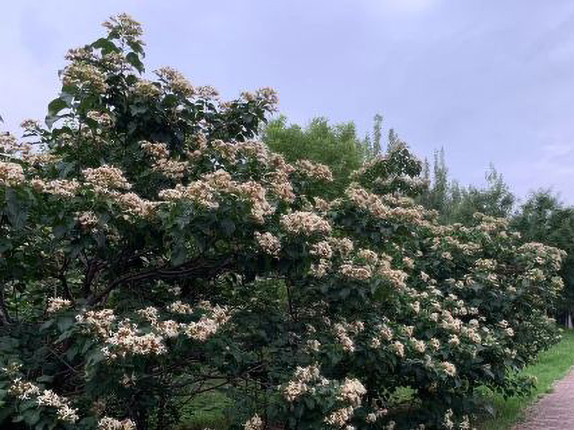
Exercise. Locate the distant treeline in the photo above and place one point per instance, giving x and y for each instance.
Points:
(542, 217)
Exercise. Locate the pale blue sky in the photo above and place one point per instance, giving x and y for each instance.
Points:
(489, 80)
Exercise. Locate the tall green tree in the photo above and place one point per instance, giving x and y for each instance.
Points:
(495, 199)
(438, 195)
(393, 139)
(377, 130)
(456, 203)
(336, 146)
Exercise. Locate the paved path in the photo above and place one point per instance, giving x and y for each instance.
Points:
(554, 411)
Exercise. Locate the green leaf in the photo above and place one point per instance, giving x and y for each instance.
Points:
(135, 61)
(56, 105)
(60, 231)
(46, 325)
(16, 211)
(65, 323)
(105, 45)
(45, 378)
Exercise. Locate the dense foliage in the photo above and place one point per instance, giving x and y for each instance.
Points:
(151, 252)
(544, 218)
(335, 146)
(541, 218)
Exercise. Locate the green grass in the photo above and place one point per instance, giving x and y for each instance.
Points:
(551, 366)
(206, 411)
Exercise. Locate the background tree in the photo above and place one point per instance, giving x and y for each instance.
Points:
(335, 146)
(495, 199)
(377, 132)
(456, 203)
(438, 196)
(544, 218)
(393, 138)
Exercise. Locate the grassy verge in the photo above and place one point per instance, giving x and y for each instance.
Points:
(551, 365)
(207, 411)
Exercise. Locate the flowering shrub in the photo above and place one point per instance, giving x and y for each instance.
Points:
(151, 251)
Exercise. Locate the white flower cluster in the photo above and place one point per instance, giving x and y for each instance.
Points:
(101, 118)
(314, 170)
(378, 209)
(542, 254)
(342, 334)
(56, 304)
(255, 194)
(87, 220)
(125, 26)
(57, 187)
(371, 264)
(108, 423)
(40, 159)
(448, 368)
(385, 333)
(267, 95)
(303, 381)
(241, 152)
(351, 391)
(179, 307)
(398, 348)
(146, 89)
(127, 340)
(175, 81)
(98, 322)
(206, 92)
(356, 272)
(156, 150)
(85, 75)
(447, 419)
(372, 417)
(269, 243)
(133, 206)
(401, 181)
(205, 192)
(279, 185)
(170, 168)
(489, 224)
(11, 174)
(418, 345)
(207, 324)
(322, 250)
(340, 417)
(23, 390)
(106, 178)
(10, 146)
(318, 270)
(305, 223)
(344, 246)
(253, 423)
